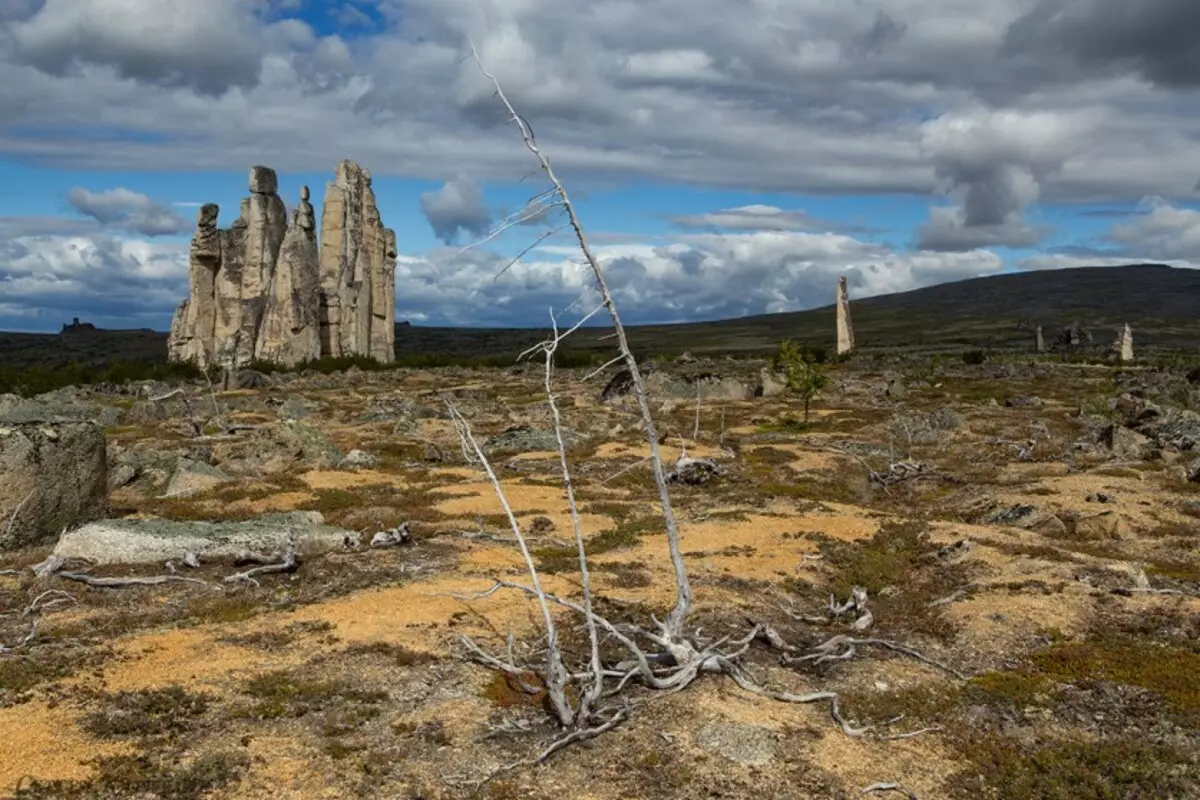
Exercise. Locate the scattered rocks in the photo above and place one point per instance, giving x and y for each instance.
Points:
(53, 476)
(525, 439)
(193, 477)
(358, 459)
(694, 471)
(770, 384)
(1023, 401)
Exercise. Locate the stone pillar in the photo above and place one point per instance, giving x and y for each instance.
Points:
(845, 330)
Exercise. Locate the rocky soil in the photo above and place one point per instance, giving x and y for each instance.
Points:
(1032, 526)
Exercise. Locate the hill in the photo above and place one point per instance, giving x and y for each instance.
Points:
(1161, 303)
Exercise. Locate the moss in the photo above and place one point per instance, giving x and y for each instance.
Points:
(1002, 769)
(395, 653)
(924, 704)
(23, 671)
(145, 776)
(285, 693)
(505, 691)
(159, 712)
(1168, 671)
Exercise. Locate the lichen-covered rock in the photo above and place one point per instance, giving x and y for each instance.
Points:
(53, 476)
(153, 541)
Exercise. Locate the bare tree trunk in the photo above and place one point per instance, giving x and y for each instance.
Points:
(683, 603)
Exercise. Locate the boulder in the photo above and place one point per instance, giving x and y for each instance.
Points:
(53, 476)
(153, 541)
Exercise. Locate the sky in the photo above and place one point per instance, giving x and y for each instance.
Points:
(726, 157)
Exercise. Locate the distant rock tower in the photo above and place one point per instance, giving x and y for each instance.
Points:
(845, 329)
(271, 289)
(1124, 344)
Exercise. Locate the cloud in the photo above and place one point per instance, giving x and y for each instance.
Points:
(1155, 38)
(992, 164)
(800, 97)
(135, 283)
(752, 217)
(700, 276)
(111, 281)
(1164, 232)
(130, 211)
(457, 206)
(1156, 232)
(210, 47)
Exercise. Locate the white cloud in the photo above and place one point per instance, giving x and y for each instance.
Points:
(128, 210)
(1165, 232)
(457, 206)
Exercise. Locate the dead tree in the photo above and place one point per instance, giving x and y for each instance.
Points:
(586, 701)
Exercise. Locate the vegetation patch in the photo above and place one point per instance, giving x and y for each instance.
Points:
(1004, 769)
(145, 775)
(159, 712)
(289, 694)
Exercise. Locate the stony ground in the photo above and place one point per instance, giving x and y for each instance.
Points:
(1061, 578)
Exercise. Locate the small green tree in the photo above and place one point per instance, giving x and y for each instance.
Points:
(802, 371)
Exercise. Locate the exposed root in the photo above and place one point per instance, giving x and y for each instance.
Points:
(117, 583)
(290, 563)
(889, 787)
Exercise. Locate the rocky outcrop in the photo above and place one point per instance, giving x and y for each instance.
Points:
(845, 330)
(267, 288)
(53, 476)
(1124, 344)
(290, 331)
(357, 270)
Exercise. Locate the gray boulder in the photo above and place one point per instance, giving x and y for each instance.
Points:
(153, 541)
(53, 476)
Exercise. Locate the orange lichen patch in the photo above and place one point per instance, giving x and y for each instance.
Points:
(284, 501)
(40, 742)
(480, 498)
(455, 473)
(806, 458)
(459, 718)
(755, 548)
(921, 765)
(537, 455)
(192, 656)
(285, 768)
(995, 621)
(669, 453)
(337, 479)
(418, 614)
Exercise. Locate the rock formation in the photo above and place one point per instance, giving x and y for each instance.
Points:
(290, 332)
(1039, 340)
(267, 289)
(357, 270)
(1124, 344)
(845, 330)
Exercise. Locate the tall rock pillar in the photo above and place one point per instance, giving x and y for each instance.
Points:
(290, 330)
(845, 329)
(193, 325)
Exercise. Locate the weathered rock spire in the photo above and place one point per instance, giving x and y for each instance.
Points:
(1124, 344)
(845, 329)
(290, 330)
(269, 289)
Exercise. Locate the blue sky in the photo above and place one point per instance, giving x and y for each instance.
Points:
(721, 170)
